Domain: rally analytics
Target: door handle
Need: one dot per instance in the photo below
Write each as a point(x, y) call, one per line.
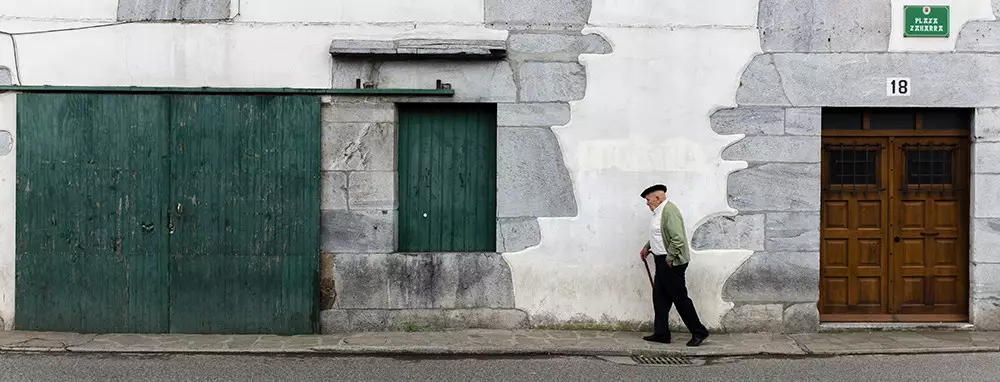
point(179, 208)
point(896, 239)
point(926, 234)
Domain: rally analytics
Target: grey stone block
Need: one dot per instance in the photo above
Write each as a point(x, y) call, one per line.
point(824, 26)
point(801, 318)
point(333, 191)
point(985, 280)
point(473, 80)
point(362, 47)
point(517, 234)
point(985, 203)
point(364, 320)
point(365, 112)
point(422, 281)
point(358, 147)
point(538, 14)
point(775, 277)
point(357, 231)
point(986, 158)
point(551, 81)
point(749, 121)
point(532, 179)
point(753, 319)
point(986, 314)
point(532, 114)
point(793, 231)
point(147, 10)
point(555, 46)
point(372, 190)
point(985, 240)
point(986, 127)
point(761, 84)
point(775, 149)
point(979, 36)
point(6, 142)
point(730, 232)
point(861, 79)
point(804, 121)
point(6, 79)
point(776, 187)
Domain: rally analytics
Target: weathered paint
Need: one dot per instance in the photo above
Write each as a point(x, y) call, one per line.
point(447, 178)
point(8, 203)
point(91, 240)
point(155, 213)
point(244, 214)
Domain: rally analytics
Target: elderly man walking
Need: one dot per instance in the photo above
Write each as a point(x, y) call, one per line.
point(668, 245)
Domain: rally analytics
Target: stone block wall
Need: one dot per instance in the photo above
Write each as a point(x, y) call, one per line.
point(366, 284)
point(985, 230)
point(778, 200)
point(779, 99)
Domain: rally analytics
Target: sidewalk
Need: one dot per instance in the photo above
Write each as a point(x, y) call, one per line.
point(506, 342)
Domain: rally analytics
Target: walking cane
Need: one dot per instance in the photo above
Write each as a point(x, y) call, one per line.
point(650, 275)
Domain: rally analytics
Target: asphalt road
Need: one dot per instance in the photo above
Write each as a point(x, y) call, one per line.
point(77, 367)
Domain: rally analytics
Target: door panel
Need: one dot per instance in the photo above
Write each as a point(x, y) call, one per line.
point(447, 178)
point(245, 216)
point(854, 218)
point(91, 223)
point(932, 184)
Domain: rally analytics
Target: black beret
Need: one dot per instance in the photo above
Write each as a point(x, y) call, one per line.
point(652, 189)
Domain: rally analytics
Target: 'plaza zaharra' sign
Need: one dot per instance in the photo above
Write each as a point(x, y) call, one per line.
point(926, 20)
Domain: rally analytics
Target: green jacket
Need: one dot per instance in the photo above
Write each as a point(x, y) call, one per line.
point(674, 238)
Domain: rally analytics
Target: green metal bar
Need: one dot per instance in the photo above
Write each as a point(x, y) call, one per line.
point(209, 90)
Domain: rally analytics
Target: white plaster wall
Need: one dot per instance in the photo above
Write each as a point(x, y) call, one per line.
point(962, 11)
point(644, 120)
point(221, 55)
point(367, 11)
point(8, 179)
point(59, 9)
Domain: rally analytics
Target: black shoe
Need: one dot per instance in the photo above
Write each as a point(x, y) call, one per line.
point(697, 340)
point(656, 338)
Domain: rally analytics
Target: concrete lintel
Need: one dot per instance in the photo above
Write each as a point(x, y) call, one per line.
point(416, 48)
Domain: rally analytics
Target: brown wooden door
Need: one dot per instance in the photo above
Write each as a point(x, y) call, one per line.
point(854, 253)
point(894, 229)
point(929, 256)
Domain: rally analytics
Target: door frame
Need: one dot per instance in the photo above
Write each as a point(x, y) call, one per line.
point(964, 172)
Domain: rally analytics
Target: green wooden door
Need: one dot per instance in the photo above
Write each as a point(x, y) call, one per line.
point(447, 178)
point(245, 192)
point(91, 203)
point(180, 213)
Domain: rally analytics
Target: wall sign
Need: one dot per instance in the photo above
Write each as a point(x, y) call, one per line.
point(926, 20)
point(897, 87)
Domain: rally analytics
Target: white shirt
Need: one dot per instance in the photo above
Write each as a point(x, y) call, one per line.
point(655, 234)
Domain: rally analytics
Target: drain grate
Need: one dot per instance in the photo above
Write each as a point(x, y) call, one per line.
point(644, 360)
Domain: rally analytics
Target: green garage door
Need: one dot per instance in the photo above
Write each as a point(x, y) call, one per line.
point(447, 178)
point(167, 213)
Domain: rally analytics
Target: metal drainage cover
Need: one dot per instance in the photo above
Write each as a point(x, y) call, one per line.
point(643, 360)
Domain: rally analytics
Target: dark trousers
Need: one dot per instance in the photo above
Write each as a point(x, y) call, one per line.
point(669, 288)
